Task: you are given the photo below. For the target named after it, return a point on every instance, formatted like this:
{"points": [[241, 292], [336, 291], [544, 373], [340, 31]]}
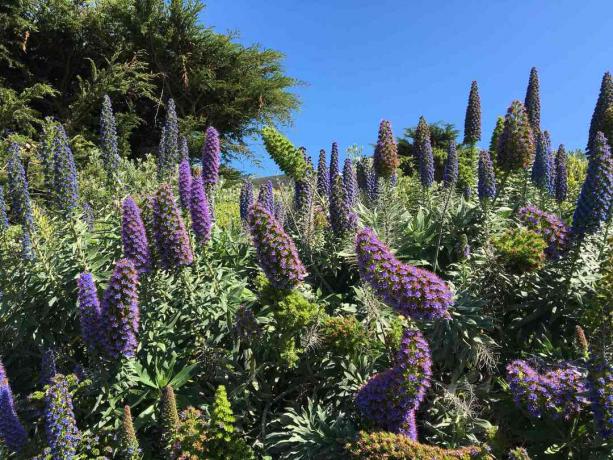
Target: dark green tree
{"points": [[472, 121], [533, 101], [604, 102], [140, 53]]}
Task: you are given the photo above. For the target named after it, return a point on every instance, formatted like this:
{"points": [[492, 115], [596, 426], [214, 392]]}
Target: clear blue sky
{"points": [[363, 61]]}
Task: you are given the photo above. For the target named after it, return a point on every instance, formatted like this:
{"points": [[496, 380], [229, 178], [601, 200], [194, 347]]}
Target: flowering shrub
{"points": [[412, 291]]}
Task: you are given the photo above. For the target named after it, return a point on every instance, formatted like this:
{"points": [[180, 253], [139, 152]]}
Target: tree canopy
{"points": [[59, 57]]}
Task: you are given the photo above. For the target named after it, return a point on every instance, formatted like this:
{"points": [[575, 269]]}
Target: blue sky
{"points": [[363, 61]]}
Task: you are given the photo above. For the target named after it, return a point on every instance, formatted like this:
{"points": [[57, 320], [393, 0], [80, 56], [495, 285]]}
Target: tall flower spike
{"points": [[11, 430], [597, 191], [604, 102], [389, 399], [162, 162], [66, 182], [496, 136], [486, 185], [275, 250], [48, 368], [201, 215], [291, 160], [451, 170], [21, 205], [211, 157], [411, 291], [280, 213], [303, 200], [561, 175], [148, 211], [134, 237], [172, 241], [171, 147], [342, 219], [89, 311], [246, 199], [27, 253], [472, 120], [63, 436], [266, 196], [334, 168], [169, 418], [4, 220], [108, 139], [533, 102], [600, 393], [515, 148], [323, 176], [543, 172], [385, 159], [372, 185], [184, 149], [350, 183], [120, 314], [185, 183], [423, 150], [129, 448]]}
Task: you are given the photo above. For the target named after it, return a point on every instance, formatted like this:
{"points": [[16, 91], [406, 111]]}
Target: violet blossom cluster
{"points": [[172, 241], [266, 196], [556, 392], [451, 170], [185, 183], [423, 151], [211, 157], [134, 237], [561, 175], [4, 220], [342, 219], [120, 315], [486, 185], [201, 214], [21, 204], [549, 226], [334, 168], [12, 432], [350, 183], [276, 252], [89, 311], [323, 175], [411, 291], [246, 199], [65, 180], [63, 436], [600, 393], [390, 398], [303, 198], [48, 368], [543, 168]]}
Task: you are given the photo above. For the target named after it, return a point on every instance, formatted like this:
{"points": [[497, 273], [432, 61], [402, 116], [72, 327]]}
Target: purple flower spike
{"points": [[451, 171], [119, 312], [323, 175], [21, 204], [48, 368], [342, 219], [350, 183], [11, 430], [185, 183], [411, 291], [389, 399], [385, 159], [4, 220], [108, 139], [65, 174], [334, 169], [423, 148], [266, 196], [246, 199], [556, 392], [89, 310], [134, 237], [63, 436], [549, 226], [561, 175], [172, 241], [600, 393], [597, 191], [211, 157], [486, 185], [275, 250], [201, 215]]}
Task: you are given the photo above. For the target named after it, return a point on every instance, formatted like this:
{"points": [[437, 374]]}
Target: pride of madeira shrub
{"points": [[417, 303]]}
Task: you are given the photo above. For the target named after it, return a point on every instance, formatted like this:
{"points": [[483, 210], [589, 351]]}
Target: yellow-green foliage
{"points": [[520, 250], [344, 335], [390, 446], [227, 211], [467, 167], [289, 159]]}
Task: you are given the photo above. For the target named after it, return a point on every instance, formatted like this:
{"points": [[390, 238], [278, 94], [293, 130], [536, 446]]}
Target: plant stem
{"points": [[440, 232]]}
